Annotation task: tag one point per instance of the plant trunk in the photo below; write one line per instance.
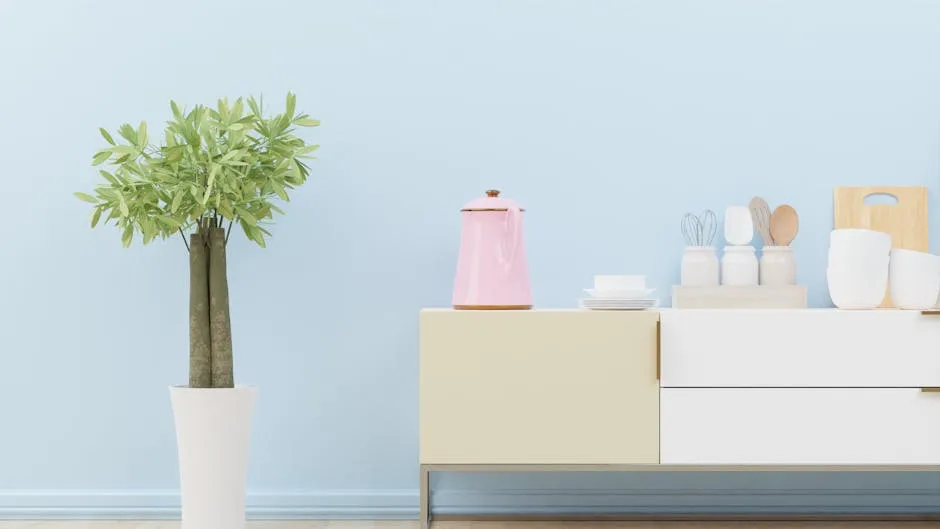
(200, 340)
(223, 375)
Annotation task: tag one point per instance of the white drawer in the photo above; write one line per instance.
(800, 348)
(801, 426)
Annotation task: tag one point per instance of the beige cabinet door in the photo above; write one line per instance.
(539, 387)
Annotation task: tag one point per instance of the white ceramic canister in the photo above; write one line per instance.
(700, 267)
(739, 266)
(777, 266)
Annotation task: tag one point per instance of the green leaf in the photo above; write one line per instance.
(170, 222)
(212, 172)
(95, 217)
(225, 208)
(147, 228)
(109, 177)
(128, 235)
(236, 126)
(246, 216)
(123, 149)
(291, 105)
(177, 113)
(87, 198)
(100, 157)
(128, 132)
(275, 208)
(142, 134)
(253, 233)
(174, 155)
(231, 154)
(253, 105)
(307, 122)
(279, 189)
(308, 149)
(124, 209)
(177, 198)
(106, 135)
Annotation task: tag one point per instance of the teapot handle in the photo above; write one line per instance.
(513, 226)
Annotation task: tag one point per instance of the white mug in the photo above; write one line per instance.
(739, 227)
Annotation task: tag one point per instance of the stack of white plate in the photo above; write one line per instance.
(619, 293)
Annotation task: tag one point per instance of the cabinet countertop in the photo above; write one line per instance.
(670, 309)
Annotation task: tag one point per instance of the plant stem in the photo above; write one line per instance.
(200, 337)
(183, 236)
(229, 233)
(220, 321)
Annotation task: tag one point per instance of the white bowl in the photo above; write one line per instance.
(857, 281)
(914, 278)
(860, 239)
(855, 289)
(857, 259)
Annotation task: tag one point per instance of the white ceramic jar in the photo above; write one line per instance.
(700, 267)
(777, 266)
(739, 266)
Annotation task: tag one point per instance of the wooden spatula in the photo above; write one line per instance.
(760, 214)
(784, 224)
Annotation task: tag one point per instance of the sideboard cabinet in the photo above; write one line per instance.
(723, 389)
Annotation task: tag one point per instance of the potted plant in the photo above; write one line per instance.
(215, 168)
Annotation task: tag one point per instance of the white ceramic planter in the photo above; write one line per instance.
(213, 429)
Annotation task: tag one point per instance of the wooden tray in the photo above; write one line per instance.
(905, 221)
(739, 297)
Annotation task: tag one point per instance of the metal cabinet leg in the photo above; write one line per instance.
(425, 508)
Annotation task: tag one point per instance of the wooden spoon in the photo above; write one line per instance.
(784, 224)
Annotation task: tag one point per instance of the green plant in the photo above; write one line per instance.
(219, 165)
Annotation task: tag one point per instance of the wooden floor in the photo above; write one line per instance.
(335, 524)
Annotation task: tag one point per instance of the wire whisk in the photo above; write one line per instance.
(700, 230)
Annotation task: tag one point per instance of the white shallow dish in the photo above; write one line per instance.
(640, 304)
(619, 294)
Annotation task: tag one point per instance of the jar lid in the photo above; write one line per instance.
(491, 202)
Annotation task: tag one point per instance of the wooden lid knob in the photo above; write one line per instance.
(492, 193)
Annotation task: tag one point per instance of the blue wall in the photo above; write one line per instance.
(606, 119)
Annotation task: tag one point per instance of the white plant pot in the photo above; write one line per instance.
(213, 429)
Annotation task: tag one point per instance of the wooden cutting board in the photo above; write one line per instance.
(905, 221)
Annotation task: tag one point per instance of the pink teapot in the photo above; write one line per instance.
(492, 272)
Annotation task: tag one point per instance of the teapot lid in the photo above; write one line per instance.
(491, 202)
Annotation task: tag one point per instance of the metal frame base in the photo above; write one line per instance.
(425, 514)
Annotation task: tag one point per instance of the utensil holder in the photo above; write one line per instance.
(777, 266)
(700, 267)
(739, 266)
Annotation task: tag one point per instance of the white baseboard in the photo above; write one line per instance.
(164, 505)
(403, 504)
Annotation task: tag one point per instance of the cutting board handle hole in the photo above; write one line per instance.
(881, 198)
